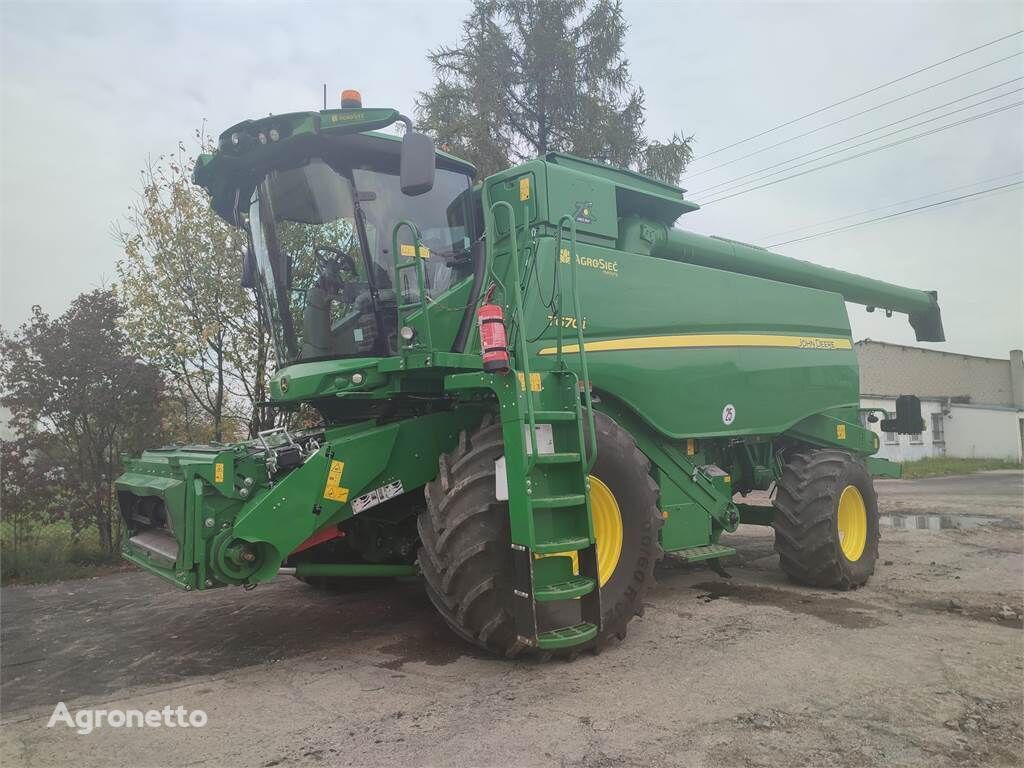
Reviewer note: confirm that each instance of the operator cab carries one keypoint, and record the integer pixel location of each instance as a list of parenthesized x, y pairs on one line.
[(322, 253)]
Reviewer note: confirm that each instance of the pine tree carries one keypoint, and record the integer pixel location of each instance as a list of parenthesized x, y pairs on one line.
[(534, 76)]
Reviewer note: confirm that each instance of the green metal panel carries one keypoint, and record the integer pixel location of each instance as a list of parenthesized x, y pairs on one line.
[(520, 189), (587, 199), (686, 524), (678, 343), (879, 467), (830, 429)]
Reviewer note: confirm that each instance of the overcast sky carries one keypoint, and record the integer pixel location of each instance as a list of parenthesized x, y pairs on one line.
[(89, 90)]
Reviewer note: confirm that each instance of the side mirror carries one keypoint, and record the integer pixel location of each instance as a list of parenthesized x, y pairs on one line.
[(417, 164), (908, 419)]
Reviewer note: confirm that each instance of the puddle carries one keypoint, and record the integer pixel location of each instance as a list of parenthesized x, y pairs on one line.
[(939, 522)]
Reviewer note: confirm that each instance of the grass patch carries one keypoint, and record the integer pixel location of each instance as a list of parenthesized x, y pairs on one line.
[(940, 466), (51, 553)]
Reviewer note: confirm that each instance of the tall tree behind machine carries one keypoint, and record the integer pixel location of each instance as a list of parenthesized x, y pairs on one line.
[(186, 310), (78, 399), (533, 76)]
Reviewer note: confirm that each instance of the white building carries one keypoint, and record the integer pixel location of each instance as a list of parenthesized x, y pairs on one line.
[(973, 407)]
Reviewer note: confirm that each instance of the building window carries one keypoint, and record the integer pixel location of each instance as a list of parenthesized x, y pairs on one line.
[(938, 433), (915, 439), (891, 438)]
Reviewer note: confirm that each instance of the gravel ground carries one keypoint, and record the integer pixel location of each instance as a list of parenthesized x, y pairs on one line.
[(924, 666)]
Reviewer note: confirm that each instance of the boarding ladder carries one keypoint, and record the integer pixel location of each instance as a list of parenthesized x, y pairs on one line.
[(550, 448)]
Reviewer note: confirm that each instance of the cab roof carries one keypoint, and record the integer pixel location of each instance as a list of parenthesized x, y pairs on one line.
[(247, 151)]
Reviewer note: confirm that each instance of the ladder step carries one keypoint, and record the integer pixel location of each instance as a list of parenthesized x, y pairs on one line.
[(707, 552), (563, 500), (565, 590), (544, 417), (552, 546), (566, 637), (558, 458)]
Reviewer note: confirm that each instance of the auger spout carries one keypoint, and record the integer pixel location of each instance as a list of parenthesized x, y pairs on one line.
[(922, 307)]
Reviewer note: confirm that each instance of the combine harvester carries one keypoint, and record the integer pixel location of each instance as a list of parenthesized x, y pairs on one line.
[(529, 388)]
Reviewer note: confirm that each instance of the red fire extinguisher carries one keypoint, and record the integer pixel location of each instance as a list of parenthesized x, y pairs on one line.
[(493, 341)]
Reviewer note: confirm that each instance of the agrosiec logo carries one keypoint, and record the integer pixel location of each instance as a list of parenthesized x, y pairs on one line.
[(85, 721)]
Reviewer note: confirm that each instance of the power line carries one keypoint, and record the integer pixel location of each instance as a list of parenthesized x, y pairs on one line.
[(884, 207), (899, 213), (862, 154), (733, 181), (865, 93), (687, 177)]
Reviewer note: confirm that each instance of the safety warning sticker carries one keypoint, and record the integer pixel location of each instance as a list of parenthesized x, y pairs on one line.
[(377, 496)]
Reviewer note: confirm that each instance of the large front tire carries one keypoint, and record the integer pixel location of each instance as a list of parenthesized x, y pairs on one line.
[(466, 556), (826, 520)]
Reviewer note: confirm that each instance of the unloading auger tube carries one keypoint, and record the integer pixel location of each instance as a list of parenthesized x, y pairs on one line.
[(721, 253)]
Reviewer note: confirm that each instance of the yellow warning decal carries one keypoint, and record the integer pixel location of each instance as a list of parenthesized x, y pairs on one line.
[(691, 446), (707, 341), (333, 489), (534, 382), (840, 431), (409, 250), (218, 472), (524, 188)]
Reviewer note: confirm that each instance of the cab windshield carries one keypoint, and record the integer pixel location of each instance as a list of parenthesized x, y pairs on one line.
[(321, 234)]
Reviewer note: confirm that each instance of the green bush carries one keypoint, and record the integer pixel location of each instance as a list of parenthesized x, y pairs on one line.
[(940, 466), (51, 553)]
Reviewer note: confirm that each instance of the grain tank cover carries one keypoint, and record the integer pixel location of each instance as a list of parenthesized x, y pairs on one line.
[(635, 193)]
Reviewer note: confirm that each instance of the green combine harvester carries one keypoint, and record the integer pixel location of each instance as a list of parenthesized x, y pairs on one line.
[(525, 389)]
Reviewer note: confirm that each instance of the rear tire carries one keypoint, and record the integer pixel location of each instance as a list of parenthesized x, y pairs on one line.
[(466, 558), (809, 534)]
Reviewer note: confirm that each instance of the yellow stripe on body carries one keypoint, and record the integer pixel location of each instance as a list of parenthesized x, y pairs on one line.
[(706, 340)]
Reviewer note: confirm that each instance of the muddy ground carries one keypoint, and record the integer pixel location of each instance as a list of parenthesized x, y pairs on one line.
[(924, 666)]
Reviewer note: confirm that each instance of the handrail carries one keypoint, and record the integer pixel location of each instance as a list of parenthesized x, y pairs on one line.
[(421, 279), (587, 397), (522, 358)]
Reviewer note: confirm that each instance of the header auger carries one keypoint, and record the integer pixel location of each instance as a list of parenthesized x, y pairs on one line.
[(635, 381)]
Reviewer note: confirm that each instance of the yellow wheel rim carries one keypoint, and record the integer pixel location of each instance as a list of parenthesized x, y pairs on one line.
[(607, 519), (852, 522), (604, 511)]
